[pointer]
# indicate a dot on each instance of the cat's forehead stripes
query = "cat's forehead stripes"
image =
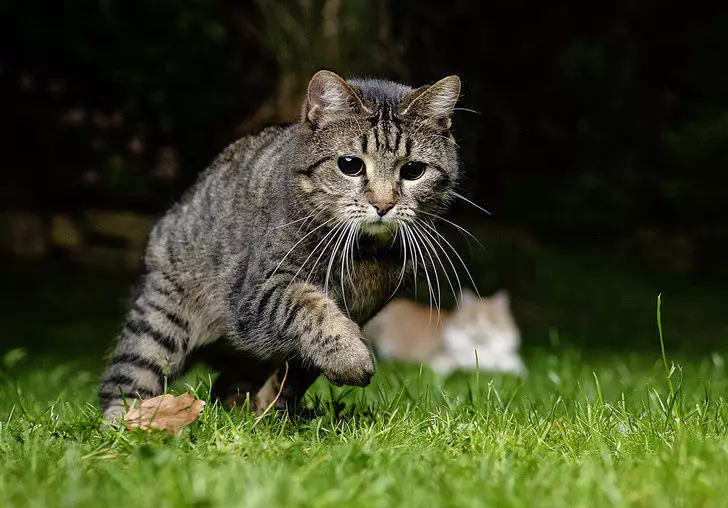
(385, 137)
(385, 133)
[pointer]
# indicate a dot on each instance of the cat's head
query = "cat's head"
(376, 153)
(482, 322)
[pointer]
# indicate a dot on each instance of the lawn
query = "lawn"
(586, 427)
(574, 433)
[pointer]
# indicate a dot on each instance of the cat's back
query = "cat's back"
(229, 202)
(406, 330)
(249, 154)
(244, 166)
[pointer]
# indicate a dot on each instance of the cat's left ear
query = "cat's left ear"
(501, 300)
(329, 97)
(435, 102)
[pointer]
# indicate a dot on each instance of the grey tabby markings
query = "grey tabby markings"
(277, 255)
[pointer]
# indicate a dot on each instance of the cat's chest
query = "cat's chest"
(364, 278)
(369, 286)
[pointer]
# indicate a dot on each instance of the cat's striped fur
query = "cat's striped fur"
(276, 255)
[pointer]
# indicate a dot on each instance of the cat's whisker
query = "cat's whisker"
(436, 242)
(433, 251)
(275, 270)
(400, 279)
(413, 249)
(350, 263)
(355, 236)
(413, 259)
(468, 110)
(433, 298)
(333, 234)
(353, 226)
(432, 241)
(436, 232)
(313, 251)
(340, 249)
(325, 250)
(351, 267)
(394, 238)
(414, 268)
(460, 196)
(438, 303)
(316, 212)
(461, 229)
(344, 263)
(293, 222)
(332, 258)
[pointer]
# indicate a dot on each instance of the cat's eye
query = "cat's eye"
(351, 166)
(412, 170)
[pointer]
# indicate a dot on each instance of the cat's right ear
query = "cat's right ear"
(328, 98)
(434, 103)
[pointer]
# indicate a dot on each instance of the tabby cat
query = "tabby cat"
(288, 243)
(479, 333)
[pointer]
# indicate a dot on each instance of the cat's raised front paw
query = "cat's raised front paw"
(343, 356)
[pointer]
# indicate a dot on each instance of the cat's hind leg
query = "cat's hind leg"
(243, 377)
(152, 347)
(285, 388)
(240, 377)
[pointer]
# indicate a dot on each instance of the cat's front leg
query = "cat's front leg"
(312, 325)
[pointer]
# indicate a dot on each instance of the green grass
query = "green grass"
(574, 433)
(613, 423)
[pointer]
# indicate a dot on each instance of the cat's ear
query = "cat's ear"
(329, 97)
(501, 300)
(435, 102)
(467, 298)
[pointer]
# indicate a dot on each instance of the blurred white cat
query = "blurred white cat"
(408, 331)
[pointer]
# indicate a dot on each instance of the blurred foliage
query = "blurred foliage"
(597, 121)
(99, 93)
(354, 38)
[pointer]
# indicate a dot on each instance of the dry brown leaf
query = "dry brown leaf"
(165, 412)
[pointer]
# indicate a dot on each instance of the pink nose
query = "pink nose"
(382, 207)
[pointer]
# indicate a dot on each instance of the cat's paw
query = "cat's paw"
(113, 416)
(343, 356)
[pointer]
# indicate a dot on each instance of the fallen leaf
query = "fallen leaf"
(165, 412)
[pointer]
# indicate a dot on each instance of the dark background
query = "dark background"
(598, 140)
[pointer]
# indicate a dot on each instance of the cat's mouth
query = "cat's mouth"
(378, 228)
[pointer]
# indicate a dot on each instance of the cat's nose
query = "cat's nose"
(382, 207)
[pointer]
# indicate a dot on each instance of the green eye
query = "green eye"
(412, 170)
(351, 166)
